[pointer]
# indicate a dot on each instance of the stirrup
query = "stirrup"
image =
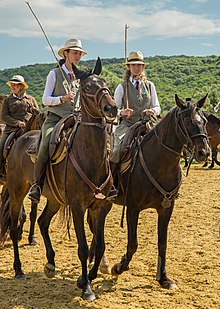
(112, 194)
(34, 193)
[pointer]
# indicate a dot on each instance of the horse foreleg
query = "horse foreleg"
(104, 265)
(83, 252)
(33, 217)
(132, 221)
(163, 221)
(44, 221)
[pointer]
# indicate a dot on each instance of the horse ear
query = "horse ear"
(179, 102)
(98, 67)
(201, 102)
(79, 73)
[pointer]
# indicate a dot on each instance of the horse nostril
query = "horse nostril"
(107, 108)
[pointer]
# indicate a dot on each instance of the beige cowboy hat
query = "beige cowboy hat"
(135, 58)
(74, 44)
(17, 79)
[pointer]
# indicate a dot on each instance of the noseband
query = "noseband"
(96, 97)
(180, 127)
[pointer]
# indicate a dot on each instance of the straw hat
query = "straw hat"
(73, 44)
(135, 58)
(17, 79)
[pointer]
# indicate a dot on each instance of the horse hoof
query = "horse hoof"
(105, 269)
(115, 271)
(49, 270)
(88, 295)
(169, 285)
(20, 277)
(33, 243)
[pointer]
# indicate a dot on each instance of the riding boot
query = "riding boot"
(39, 175)
(114, 170)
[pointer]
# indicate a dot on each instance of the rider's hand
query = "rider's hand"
(126, 113)
(21, 124)
(149, 112)
(68, 97)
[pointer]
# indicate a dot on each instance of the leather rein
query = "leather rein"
(97, 190)
(179, 130)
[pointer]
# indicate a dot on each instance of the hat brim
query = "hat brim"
(60, 52)
(12, 82)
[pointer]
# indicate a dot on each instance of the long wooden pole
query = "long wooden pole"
(126, 82)
(45, 35)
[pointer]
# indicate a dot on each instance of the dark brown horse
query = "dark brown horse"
(213, 130)
(34, 123)
(154, 177)
(81, 180)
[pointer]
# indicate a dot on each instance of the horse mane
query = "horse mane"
(161, 126)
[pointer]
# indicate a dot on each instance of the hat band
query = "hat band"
(16, 80)
(74, 47)
(135, 59)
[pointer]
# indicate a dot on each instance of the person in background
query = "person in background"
(17, 108)
(60, 99)
(135, 97)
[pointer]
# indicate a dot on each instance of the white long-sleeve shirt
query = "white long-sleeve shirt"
(119, 94)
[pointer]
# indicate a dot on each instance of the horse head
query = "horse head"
(96, 98)
(191, 126)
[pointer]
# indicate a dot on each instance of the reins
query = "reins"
(97, 190)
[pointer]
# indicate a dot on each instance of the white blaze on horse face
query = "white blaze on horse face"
(198, 118)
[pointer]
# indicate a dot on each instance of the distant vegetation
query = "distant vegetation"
(187, 76)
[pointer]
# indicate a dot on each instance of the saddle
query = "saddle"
(133, 136)
(59, 139)
(10, 141)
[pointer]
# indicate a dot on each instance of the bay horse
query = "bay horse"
(34, 123)
(213, 130)
(154, 176)
(82, 179)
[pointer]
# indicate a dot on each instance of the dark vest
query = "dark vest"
(138, 101)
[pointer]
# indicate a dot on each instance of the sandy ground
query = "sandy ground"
(192, 259)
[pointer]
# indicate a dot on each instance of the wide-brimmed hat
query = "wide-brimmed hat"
(74, 44)
(135, 58)
(17, 79)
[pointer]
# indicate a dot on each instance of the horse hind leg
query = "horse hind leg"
(33, 217)
(44, 221)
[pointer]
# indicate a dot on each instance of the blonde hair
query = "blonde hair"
(142, 77)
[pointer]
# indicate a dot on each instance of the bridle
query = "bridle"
(182, 133)
(97, 98)
(97, 190)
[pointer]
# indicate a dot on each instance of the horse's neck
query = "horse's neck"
(167, 136)
(91, 139)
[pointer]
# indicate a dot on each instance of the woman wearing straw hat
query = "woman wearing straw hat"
(60, 99)
(135, 96)
(17, 108)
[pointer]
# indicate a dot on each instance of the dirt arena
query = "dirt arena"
(192, 259)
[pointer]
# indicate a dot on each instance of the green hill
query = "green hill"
(187, 76)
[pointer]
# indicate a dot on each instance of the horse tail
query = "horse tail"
(5, 218)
